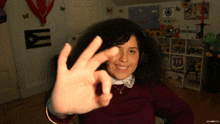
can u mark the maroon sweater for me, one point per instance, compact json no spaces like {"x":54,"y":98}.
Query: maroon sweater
{"x":138,"y":106}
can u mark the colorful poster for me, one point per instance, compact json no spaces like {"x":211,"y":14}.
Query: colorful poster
{"x":194,"y":11}
{"x":145,"y":16}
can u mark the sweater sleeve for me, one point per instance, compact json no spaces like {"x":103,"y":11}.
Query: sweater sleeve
{"x":170,"y":106}
{"x":56,"y":120}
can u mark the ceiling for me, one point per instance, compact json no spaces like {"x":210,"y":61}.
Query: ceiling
{"x":133,"y":2}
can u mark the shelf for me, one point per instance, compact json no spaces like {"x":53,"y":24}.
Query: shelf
{"x":197,"y":56}
{"x":182,"y":54}
{"x":178,"y":70}
{"x":178,"y":38}
{"x":178,"y":54}
{"x":192,"y":84}
{"x":192,"y":88}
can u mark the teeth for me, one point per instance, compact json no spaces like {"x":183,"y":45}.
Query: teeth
{"x":122,"y":67}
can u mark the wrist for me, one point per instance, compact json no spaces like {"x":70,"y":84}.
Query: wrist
{"x":53,"y":112}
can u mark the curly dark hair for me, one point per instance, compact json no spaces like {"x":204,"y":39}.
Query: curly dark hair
{"x":116,"y":32}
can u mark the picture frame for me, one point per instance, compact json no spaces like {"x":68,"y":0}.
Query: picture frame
{"x":194,"y":11}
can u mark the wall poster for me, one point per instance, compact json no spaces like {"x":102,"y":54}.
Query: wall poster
{"x":145,"y":16}
{"x":194,"y":11}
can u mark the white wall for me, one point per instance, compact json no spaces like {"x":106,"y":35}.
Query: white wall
{"x":34,"y":66}
{"x":8,"y":76}
{"x":80,"y":15}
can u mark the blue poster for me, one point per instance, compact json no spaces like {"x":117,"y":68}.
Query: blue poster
{"x":145,"y":16}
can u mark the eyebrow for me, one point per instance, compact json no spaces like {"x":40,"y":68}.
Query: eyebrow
{"x":129,"y":47}
{"x":133,"y":47}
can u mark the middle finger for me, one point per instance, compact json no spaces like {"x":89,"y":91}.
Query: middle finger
{"x":89,"y":52}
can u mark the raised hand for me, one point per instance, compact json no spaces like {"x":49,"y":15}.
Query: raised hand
{"x":74,"y":90}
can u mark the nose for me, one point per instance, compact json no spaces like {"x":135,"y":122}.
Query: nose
{"x":123,"y":57}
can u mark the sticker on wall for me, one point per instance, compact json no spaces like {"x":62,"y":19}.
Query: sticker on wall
{"x":185,"y":4}
{"x":26,"y":16}
{"x":177,"y":8}
{"x":187,"y":31}
{"x":110,"y":10}
{"x":167,"y":20}
{"x":168,"y":12}
{"x":62,"y":8}
{"x":37,"y":38}
{"x":121,"y":10}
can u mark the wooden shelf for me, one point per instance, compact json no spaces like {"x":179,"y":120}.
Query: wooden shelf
{"x":192,"y":88}
{"x":192,"y":84}
{"x":189,"y":81}
{"x":186,"y":55}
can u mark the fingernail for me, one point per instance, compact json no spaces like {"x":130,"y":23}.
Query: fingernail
{"x":67,"y":44}
{"x":98,"y":37}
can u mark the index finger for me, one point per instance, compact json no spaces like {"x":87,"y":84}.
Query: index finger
{"x":101,"y":57}
{"x":89,"y":51}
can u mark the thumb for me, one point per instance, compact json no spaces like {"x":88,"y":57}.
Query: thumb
{"x":104,"y":100}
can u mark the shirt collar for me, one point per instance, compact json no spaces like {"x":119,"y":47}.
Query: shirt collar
{"x":128,"y":82}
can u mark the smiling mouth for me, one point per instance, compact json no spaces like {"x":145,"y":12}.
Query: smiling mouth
{"x":122,"y":68}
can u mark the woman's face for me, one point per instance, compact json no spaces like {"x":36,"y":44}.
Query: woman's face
{"x":126,"y":61}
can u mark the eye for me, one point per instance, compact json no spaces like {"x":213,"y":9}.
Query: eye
{"x":132,"y":51}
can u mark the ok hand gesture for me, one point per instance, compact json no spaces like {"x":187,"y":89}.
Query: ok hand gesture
{"x":74,"y":90}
